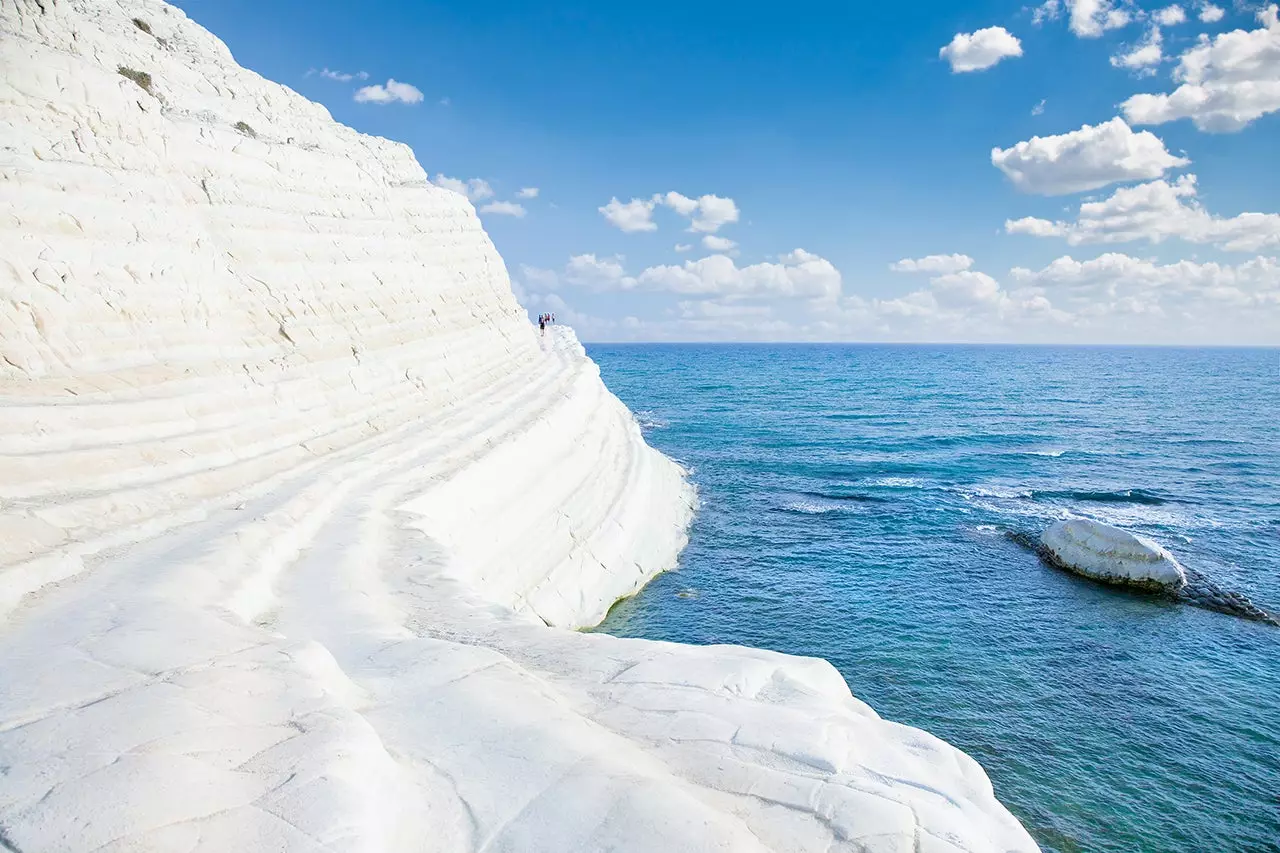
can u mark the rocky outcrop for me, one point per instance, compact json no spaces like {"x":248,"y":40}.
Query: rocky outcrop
{"x":290,"y":491}
{"x":1109,"y":554}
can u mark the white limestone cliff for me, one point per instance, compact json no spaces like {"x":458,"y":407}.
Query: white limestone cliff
{"x":290,"y":492}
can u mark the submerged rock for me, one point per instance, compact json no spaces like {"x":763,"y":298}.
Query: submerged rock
{"x":1109,"y":554}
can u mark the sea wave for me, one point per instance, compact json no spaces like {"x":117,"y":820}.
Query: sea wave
{"x":649,"y":421}
{"x":1122,"y":496}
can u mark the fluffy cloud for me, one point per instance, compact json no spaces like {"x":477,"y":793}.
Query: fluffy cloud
{"x":598,"y":273}
{"x":476,"y":189}
{"x":1169,"y":16}
{"x":706,"y":214}
{"x":718,"y":244}
{"x":527,"y":192}
{"x":1084,"y":159}
{"x":980,"y":50}
{"x":1091,"y":18}
{"x":1154,"y":212}
{"x":1115,"y":281}
{"x":1211,"y":14}
{"x":1145,"y":55}
{"x":933,"y":264}
{"x":504,"y":208}
{"x":635,"y":215}
{"x":798,"y":274}
{"x":388,"y":93}
{"x":1226,"y":82}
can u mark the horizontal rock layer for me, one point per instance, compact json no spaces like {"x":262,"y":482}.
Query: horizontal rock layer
{"x":290,"y":491}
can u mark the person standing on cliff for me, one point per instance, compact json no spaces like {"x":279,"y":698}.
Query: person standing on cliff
{"x":542,"y":323}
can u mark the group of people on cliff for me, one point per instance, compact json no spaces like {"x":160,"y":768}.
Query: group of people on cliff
{"x":545,"y":320}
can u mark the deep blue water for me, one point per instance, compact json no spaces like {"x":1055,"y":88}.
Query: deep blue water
{"x":853,"y":503}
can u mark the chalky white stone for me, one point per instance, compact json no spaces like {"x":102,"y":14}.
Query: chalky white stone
{"x":1110,"y":554}
{"x":290,"y":492}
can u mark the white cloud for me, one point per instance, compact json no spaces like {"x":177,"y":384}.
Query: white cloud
{"x":1085,"y":159}
{"x":1050,"y":10}
{"x":504,"y":208}
{"x":1145,"y":55}
{"x":527,"y":192}
{"x":718,"y":244}
{"x":598,"y":273}
{"x":683,"y":247}
{"x":388,"y":93}
{"x":635,"y":215}
{"x":1170,"y":16}
{"x":1226,"y":82}
{"x":538,"y":276}
{"x":1211,"y":14}
{"x":798,"y":274}
{"x":934,"y":264}
{"x":340,"y":76}
{"x":1154,"y":212}
{"x":1091,"y":18}
{"x":708,"y":213}
{"x":1203,"y":294}
{"x":980,"y":50}
{"x":1038,"y":109}
{"x":476,"y":189}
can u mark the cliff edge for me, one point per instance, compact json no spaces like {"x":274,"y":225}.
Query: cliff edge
{"x":290,"y":492}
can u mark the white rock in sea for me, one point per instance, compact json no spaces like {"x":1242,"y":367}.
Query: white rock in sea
{"x":1110,"y":554}
{"x":290,"y":492}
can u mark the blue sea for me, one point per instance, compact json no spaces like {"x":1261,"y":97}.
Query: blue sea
{"x":854,"y":505}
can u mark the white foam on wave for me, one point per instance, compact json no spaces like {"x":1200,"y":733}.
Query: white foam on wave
{"x":649,"y":421}
{"x":896,"y":482}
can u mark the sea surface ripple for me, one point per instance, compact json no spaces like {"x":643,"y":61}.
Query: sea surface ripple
{"x":854,"y":500}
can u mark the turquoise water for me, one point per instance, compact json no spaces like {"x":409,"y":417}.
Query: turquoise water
{"x":854,"y":503}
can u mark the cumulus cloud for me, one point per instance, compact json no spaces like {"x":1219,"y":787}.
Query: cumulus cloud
{"x":1226,"y":82}
{"x":941,"y":264}
{"x":797,"y":274}
{"x":1169,"y":16}
{"x":1091,"y":18}
{"x":598,"y":273}
{"x":1155,"y":212}
{"x":718,"y":244}
{"x":504,"y":208}
{"x":1119,"y":283}
{"x":389,"y":93}
{"x":1145,"y":55}
{"x":1211,"y":14}
{"x":1050,"y":10}
{"x":1085,"y":159}
{"x":527,"y":192}
{"x":632,"y":216}
{"x":475,"y":189}
{"x":706,"y":214}
{"x":980,"y":50}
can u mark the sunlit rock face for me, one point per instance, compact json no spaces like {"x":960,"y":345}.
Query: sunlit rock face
{"x":290,"y":492}
{"x":1110,"y":554}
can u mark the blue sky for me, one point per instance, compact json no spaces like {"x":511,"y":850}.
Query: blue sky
{"x":837,"y":129}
